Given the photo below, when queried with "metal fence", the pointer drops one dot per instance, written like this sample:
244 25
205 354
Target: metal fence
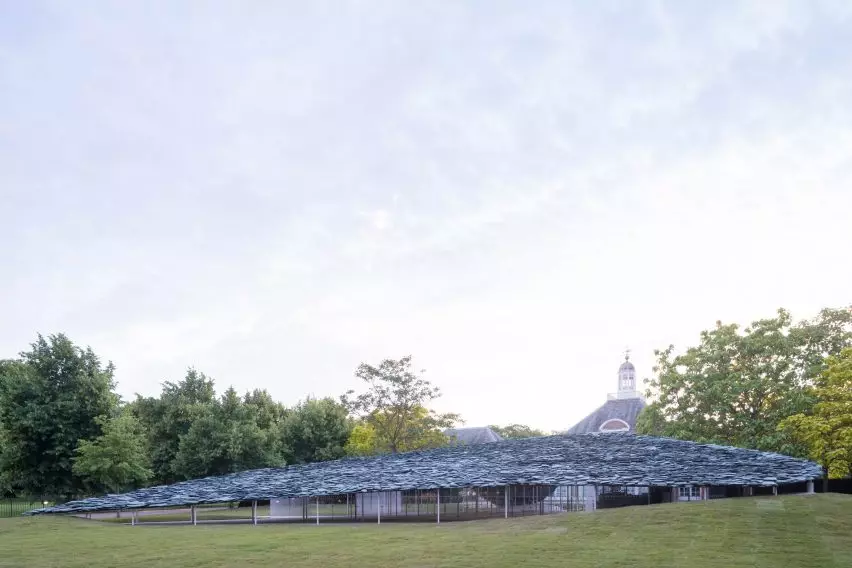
16 507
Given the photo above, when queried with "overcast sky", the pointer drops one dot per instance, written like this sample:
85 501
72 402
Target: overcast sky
513 192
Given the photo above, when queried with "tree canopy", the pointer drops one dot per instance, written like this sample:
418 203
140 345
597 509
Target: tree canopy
315 430
394 411
192 433
115 461
50 398
737 385
170 416
826 430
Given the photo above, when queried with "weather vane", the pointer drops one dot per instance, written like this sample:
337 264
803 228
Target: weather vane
626 353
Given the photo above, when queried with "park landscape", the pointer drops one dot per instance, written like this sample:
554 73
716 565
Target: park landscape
335 283
801 530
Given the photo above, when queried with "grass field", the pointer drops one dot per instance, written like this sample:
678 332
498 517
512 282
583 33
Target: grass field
790 531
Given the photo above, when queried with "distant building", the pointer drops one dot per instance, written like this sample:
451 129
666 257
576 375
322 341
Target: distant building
619 412
471 436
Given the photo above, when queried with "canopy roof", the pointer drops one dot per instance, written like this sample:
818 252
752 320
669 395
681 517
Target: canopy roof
600 459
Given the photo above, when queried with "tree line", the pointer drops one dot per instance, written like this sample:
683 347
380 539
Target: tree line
66 433
776 385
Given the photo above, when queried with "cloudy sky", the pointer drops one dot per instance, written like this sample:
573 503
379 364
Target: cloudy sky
513 192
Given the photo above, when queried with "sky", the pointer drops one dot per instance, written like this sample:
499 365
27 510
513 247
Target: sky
511 192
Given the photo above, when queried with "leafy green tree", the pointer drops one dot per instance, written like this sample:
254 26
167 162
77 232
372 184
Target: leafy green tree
737 385
395 407
268 413
170 416
315 430
224 437
50 399
420 434
362 441
117 460
826 431
516 431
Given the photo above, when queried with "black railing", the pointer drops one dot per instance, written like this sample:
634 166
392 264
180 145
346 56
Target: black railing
17 507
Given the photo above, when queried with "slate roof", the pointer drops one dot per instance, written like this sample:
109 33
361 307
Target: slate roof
603 459
472 435
626 409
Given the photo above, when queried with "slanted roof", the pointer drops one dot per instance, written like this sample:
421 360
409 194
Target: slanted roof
593 459
626 409
472 435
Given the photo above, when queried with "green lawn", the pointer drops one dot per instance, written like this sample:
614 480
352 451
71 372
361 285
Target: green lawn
770 532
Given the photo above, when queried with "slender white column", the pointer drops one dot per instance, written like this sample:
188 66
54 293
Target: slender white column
506 507
438 508
254 512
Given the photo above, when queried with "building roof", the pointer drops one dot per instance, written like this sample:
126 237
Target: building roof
596 459
472 435
626 409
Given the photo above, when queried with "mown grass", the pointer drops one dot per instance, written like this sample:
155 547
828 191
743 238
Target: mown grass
790 531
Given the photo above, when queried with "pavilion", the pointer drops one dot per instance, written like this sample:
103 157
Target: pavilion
507 478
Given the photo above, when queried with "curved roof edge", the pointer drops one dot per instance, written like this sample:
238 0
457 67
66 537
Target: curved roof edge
591 459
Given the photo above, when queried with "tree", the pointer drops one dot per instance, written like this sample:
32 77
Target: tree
826 431
516 431
315 430
737 385
169 417
224 437
362 441
268 413
51 398
117 460
395 407
420 434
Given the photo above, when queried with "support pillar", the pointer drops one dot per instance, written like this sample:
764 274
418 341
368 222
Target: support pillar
318 508
438 506
379 510
506 507
192 515
254 513
810 488
775 490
